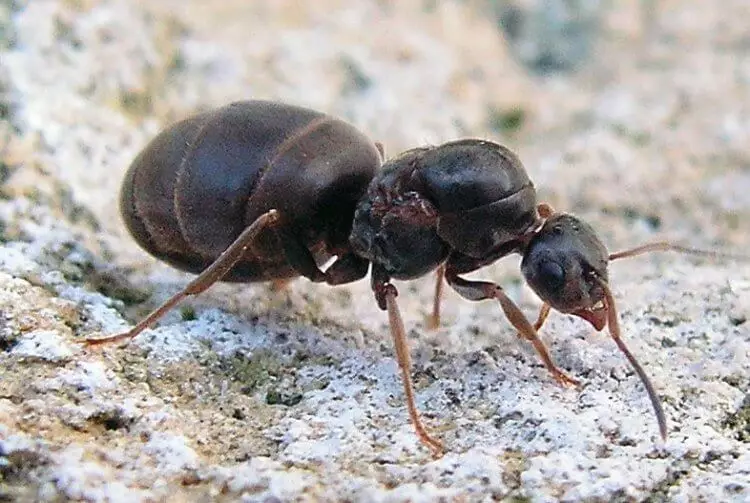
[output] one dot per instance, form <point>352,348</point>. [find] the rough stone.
<point>253,393</point>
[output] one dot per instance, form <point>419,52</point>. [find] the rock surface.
<point>255,393</point>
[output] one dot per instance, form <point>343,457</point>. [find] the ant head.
<point>565,263</point>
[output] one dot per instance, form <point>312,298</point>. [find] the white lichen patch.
<point>15,262</point>
<point>45,345</point>
<point>79,477</point>
<point>87,376</point>
<point>171,453</point>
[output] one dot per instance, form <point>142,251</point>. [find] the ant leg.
<point>346,269</point>
<point>433,321</point>
<point>385,294</point>
<point>298,255</point>
<point>541,318</point>
<point>482,290</point>
<point>208,277</point>
<point>543,313</point>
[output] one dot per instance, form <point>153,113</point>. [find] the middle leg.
<point>483,290</point>
<point>385,294</point>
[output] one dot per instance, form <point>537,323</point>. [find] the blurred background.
<point>634,113</point>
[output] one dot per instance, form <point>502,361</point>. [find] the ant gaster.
<point>260,191</point>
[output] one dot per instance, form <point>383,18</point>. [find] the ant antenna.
<point>667,246</point>
<point>614,331</point>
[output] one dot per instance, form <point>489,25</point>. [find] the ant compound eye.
<point>551,274</point>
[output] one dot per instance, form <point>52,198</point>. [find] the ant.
<point>264,191</point>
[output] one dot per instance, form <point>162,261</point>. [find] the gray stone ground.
<point>259,394</point>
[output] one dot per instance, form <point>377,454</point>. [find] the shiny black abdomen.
<point>197,185</point>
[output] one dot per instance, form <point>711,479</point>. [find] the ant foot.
<point>438,451</point>
<point>109,339</point>
<point>564,379</point>
<point>435,446</point>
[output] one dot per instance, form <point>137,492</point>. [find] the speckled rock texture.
<point>255,393</point>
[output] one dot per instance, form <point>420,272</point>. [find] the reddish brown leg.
<point>404,362</point>
<point>433,321</point>
<point>386,294</point>
<point>211,275</point>
<point>543,313</point>
<point>482,290</point>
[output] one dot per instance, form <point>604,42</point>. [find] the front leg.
<point>482,290</point>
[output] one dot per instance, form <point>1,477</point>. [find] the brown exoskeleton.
<point>262,191</point>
